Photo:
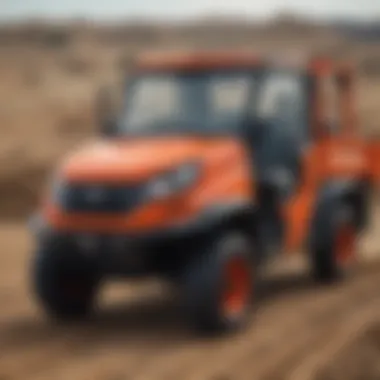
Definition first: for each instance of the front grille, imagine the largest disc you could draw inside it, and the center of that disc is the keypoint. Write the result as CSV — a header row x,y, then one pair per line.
x,y
100,198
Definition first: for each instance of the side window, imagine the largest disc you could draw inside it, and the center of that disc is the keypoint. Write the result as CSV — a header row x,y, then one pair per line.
x,y
284,97
330,98
152,98
228,95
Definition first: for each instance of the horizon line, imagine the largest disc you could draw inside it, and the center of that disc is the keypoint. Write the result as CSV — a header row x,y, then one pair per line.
x,y
193,17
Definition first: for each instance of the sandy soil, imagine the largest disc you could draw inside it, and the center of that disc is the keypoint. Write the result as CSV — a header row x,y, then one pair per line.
x,y
299,332
296,333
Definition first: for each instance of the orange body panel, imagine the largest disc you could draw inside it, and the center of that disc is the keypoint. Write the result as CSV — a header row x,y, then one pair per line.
x,y
200,60
225,175
341,157
197,60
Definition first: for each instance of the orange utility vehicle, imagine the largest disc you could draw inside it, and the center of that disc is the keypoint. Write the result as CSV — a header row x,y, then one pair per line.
x,y
214,163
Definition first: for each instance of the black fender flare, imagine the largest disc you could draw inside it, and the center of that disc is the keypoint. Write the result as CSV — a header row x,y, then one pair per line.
x,y
354,192
213,219
240,214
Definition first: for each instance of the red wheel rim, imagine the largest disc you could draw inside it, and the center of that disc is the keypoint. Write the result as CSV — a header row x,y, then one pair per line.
x,y
345,244
238,286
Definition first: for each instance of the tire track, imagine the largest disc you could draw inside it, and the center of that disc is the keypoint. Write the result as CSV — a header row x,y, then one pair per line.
x,y
351,329
314,341
193,361
317,327
251,353
296,328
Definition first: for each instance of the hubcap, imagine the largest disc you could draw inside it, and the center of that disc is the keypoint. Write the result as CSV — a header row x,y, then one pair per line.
x,y
238,283
345,245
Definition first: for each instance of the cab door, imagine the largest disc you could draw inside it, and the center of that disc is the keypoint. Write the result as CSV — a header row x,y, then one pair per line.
x,y
343,151
282,105
332,152
298,206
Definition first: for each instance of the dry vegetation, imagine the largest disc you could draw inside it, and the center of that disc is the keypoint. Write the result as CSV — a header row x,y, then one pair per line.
x,y
49,77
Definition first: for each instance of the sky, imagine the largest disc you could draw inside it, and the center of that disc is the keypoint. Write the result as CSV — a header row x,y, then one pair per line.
x,y
109,9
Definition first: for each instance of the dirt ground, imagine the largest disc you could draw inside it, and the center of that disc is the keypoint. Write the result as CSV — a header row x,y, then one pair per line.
x,y
299,332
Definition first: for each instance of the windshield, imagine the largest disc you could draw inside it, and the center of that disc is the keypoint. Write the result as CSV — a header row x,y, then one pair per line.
x,y
200,102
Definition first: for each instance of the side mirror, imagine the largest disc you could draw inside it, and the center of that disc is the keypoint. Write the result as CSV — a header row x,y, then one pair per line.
x,y
105,112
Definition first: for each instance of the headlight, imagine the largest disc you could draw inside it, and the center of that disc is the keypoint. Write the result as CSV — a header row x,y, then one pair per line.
x,y
173,181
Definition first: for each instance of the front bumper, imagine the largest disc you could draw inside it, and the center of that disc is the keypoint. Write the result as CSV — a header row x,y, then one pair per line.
x,y
42,231
114,254
135,252
203,223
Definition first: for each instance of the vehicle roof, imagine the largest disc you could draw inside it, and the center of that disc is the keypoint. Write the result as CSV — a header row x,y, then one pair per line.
x,y
224,59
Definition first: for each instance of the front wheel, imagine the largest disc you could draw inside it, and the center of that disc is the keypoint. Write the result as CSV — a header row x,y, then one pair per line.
x,y
65,284
218,284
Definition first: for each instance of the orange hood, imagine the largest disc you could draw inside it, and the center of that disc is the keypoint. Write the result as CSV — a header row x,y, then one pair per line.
x,y
140,158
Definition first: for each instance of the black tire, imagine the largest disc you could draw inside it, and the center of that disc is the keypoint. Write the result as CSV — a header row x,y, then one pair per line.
x,y
204,284
328,264
65,285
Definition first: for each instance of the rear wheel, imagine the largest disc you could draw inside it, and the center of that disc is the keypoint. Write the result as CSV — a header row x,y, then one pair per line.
x,y
334,250
65,284
219,284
